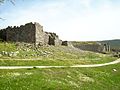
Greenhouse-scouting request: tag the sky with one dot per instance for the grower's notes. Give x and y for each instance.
(72, 20)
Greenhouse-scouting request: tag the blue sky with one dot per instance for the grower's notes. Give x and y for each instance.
(81, 20)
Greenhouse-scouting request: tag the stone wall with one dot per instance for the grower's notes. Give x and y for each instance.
(106, 48)
(46, 38)
(24, 33)
(95, 47)
(3, 35)
(67, 43)
(39, 34)
(53, 39)
(30, 33)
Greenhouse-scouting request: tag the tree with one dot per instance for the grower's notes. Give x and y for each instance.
(12, 1)
(2, 1)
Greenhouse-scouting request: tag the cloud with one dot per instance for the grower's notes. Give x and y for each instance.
(86, 3)
(71, 19)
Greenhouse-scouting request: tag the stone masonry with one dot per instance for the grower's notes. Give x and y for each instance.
(88, 46)
(30, 33)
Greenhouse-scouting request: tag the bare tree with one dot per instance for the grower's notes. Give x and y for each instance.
(2, 1)
(12, 1)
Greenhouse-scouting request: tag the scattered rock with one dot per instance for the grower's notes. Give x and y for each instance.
(114, 70)
(67, 43)
(10, 54)
(1, 55)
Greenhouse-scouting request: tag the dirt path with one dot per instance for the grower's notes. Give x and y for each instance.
(92, 65)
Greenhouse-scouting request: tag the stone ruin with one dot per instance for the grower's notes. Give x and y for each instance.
(106, 48)
(67, 43)
(94, 47)
(30, 33)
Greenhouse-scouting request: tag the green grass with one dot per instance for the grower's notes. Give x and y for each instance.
(102, 78)
(83, 42)
(49, 55)
(54, 62)
(4, 46)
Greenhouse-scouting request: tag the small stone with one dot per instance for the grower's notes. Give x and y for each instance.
(10, 54)
(114, 70)
(0, 55)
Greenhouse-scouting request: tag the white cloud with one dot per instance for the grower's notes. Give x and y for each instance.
(72, 19)
(86, 3)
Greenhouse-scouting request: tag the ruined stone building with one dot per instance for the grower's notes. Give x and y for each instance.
(106, 47)
(30, 33)
(95, 47)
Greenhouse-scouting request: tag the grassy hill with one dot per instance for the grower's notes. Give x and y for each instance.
(100, 78)
(47, 55)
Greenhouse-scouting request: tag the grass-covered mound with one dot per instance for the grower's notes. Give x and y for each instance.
(13, 54)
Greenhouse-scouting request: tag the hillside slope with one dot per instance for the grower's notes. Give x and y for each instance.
(12, 54)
